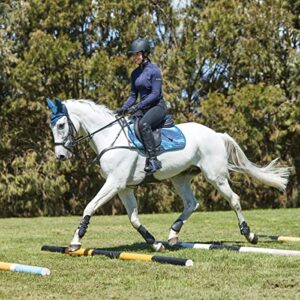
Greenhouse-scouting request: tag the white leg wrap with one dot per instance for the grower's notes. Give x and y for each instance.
(173, 237)
(251, 236)
(134, 219)
(76, 240)
(158, 247)
(172, 234)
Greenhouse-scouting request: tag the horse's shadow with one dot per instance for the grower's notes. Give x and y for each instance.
(147, 248)
(234, 243)
(129, 248)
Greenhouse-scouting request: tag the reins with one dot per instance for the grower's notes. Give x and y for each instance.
(90, 135)
(121, 121)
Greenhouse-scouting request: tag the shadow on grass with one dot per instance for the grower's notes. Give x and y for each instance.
(129, 248)
(136, 247)
(243, 243)
(147, 248)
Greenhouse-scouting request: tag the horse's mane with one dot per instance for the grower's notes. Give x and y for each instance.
(101, 108)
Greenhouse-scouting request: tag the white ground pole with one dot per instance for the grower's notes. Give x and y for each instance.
(237, 248)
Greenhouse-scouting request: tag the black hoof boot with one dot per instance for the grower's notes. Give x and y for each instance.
(250, 236)
(82, 228)
(245, 229)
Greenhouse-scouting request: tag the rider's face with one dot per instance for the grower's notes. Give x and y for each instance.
(137, 57)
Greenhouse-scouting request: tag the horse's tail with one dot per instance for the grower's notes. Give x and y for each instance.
(271, 175)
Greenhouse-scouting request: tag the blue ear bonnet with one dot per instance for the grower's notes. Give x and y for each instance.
(58, 110)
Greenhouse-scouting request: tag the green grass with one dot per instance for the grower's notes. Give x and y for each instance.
(219, 274)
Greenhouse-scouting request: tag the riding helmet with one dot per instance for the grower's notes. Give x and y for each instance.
(140, 45)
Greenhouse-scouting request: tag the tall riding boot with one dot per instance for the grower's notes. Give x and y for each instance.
(152, 163)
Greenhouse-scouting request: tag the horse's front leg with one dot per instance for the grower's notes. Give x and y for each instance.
(109, 189)
(129, 201)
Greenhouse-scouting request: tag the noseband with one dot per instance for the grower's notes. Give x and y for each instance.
(70, 141)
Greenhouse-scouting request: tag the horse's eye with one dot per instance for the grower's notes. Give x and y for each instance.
(61, 126)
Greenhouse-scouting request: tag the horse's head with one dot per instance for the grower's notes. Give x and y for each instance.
(63, 129)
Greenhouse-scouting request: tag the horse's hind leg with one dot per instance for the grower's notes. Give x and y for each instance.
(129, 201)
(222, 185)
(182, 185)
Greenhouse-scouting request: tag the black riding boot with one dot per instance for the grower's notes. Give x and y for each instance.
(152, 163)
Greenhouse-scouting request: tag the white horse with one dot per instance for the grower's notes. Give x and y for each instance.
(122, 165)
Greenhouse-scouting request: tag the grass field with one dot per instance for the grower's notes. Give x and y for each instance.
(219, 274)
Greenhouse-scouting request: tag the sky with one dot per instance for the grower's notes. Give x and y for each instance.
(180, 3)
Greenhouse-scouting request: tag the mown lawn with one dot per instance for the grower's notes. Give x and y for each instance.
(219, 274)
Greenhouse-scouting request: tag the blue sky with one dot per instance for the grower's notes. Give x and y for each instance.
(180, 3)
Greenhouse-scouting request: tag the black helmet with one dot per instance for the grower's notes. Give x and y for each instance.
(140, 45)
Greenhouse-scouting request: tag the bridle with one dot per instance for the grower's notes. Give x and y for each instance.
(69, 141)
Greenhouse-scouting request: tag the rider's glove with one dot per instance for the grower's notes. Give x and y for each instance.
(121, 111)
(136, 112)
(132, 110)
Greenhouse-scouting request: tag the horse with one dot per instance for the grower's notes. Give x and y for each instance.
(122, 165)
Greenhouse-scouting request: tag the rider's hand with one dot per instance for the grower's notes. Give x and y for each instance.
(132, 110)
(120, 111)
(136, 113)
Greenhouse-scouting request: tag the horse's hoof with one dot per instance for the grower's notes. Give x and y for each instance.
(158, 247)
(173, 241)
(73, 247)
(252, 238)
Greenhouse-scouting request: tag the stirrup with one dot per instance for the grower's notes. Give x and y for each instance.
(152, 165)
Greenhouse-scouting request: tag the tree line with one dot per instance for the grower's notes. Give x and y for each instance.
(232, 65)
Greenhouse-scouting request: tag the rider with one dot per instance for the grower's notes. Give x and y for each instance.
(146, 81)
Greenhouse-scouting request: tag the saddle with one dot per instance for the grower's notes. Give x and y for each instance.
(168, 137)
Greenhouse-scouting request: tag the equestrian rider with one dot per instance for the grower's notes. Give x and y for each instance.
(146, 81)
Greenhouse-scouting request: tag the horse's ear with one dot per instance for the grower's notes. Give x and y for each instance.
(59, 105)
(51, 105)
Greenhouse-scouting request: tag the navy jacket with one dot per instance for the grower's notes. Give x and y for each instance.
(146, 81)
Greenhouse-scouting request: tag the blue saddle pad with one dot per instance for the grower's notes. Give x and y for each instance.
(172, 139)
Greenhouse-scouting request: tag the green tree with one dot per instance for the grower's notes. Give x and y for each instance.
(235, 71)
(6, 56)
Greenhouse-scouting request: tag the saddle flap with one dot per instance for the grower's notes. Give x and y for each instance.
(170, 139)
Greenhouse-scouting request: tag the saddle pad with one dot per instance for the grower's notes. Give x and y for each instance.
(172, 139)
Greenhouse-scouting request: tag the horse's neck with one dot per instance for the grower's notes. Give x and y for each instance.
(92, 119)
